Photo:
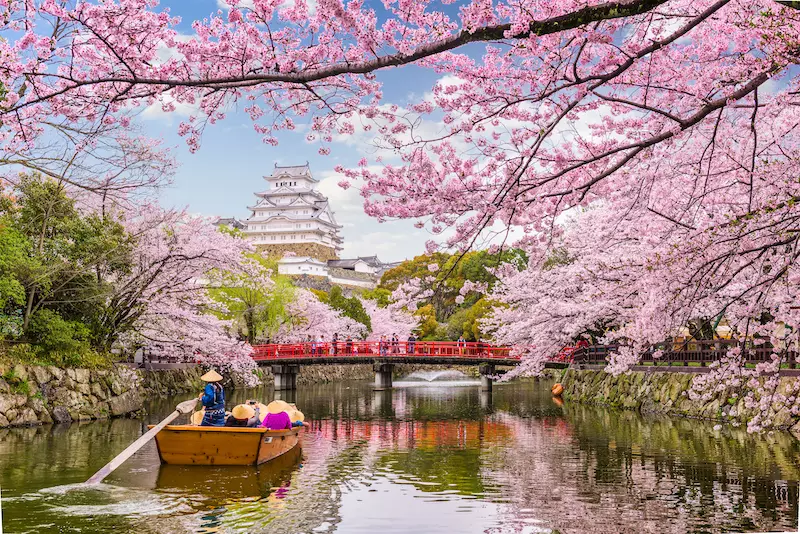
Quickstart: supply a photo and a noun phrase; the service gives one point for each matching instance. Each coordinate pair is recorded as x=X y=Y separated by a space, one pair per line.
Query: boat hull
x=210 y=445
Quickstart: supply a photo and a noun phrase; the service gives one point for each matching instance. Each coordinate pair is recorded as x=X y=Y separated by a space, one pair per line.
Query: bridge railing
x=406 y=349
x=698 y=352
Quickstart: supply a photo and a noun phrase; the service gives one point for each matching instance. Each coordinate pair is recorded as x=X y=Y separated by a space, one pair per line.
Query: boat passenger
x=277 y=417
x=213 y=399
x=243 y=415
x=297 y=417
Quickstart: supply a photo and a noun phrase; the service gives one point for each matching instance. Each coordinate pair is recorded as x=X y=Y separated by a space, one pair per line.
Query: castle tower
x=292 y=216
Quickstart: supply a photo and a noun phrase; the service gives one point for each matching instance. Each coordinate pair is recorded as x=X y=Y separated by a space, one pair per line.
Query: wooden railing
x=701 y=352
x=376 y=349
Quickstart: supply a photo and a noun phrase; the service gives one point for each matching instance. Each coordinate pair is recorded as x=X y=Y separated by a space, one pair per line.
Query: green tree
x=427 y=324
x=449 y=273
x=256 y=300
x=14 y=255
x=350 y=307
x=380 y=295
x=61 y=259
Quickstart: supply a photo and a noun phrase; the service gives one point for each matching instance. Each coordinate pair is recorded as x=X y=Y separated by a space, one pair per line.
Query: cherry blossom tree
x=675 y=120
x=389 y=320
x=308 y=316
x=162 y=305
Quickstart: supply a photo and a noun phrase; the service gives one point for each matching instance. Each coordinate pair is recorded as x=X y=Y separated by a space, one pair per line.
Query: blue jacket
x=214 y=403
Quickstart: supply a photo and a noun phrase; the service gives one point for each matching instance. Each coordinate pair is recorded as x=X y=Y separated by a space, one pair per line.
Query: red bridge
x=442 y=352
x=287 y=358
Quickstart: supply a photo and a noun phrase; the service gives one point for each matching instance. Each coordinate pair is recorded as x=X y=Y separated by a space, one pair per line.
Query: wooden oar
x=182 y=408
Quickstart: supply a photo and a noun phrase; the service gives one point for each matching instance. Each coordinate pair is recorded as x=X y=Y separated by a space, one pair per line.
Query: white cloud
x=363 y=235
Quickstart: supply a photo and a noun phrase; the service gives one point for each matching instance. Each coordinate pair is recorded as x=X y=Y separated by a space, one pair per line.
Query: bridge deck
x=343 y=352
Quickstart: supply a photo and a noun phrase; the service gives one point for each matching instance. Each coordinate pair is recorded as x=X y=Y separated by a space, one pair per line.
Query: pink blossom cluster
x=308 y=316
x=389 y=321
x=165 y=294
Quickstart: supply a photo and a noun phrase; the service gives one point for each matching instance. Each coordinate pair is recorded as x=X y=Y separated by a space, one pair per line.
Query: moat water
x=427 y=457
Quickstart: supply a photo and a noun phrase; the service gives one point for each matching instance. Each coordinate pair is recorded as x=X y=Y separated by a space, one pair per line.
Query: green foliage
x=427 y=324
x=54 y=263
x=350 y=307
x=457 y=324
x=380 y=295
x=53 y=333
x=256 y=301
x=18 y=385
x=449 y=276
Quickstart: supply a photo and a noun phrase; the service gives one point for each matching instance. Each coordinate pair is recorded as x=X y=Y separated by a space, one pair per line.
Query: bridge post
x=486 y=370
x=285 y=376
x=383 y=375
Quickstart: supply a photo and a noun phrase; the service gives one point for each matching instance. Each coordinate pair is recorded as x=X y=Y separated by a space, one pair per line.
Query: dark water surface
x=417 y=459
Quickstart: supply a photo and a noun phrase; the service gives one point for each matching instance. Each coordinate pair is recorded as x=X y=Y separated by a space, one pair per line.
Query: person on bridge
x=412 y=344
x=213 y=399
x=348 y=345
x=395 y=344
x=335 y=342
x=461 y=344
x=383 y=346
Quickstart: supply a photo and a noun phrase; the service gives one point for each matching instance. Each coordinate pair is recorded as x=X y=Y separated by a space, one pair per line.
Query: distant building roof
x=229 y=221
x=372 y=261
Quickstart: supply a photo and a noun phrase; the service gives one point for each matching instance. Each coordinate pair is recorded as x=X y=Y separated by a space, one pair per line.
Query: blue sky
x=220 y=178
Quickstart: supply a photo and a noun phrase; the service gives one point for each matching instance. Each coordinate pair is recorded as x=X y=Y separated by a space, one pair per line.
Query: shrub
x=52 y=333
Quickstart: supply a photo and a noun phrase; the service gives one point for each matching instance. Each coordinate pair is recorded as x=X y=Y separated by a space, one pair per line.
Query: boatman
x=213 y=399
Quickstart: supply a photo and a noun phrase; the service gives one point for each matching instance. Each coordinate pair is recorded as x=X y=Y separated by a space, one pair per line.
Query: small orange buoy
x=557 y=390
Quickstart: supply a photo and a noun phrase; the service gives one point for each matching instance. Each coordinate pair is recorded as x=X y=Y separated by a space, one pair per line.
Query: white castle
x=292 y=211
x=293 y=221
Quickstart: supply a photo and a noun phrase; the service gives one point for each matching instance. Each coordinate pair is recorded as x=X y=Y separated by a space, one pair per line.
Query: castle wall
x=313 y=250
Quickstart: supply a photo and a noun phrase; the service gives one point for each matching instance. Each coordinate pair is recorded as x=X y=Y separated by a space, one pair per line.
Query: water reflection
x=426 y=459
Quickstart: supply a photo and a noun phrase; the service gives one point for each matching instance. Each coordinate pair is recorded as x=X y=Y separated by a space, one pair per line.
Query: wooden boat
x=219 y=445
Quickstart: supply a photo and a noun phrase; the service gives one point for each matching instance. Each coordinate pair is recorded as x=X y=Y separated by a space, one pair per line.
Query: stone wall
x=32 y=395
x=161 y=383
x=313 y=250
x=666 y=393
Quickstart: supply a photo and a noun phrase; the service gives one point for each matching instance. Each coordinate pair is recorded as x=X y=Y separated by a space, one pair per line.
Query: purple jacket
x=277 y=421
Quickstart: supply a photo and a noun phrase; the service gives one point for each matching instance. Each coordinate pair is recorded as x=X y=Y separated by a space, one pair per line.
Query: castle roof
x=292 y=170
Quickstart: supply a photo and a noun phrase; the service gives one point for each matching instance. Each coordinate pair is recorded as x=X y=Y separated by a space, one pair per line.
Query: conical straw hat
x=262 y=410
x=243 y=411
x=297 y=415
x=211 y=376
x=278 y=406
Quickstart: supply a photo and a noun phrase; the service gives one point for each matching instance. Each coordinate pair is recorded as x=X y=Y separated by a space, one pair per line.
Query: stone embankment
x=667 y=393
x=31 y=395
x=35 y=394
